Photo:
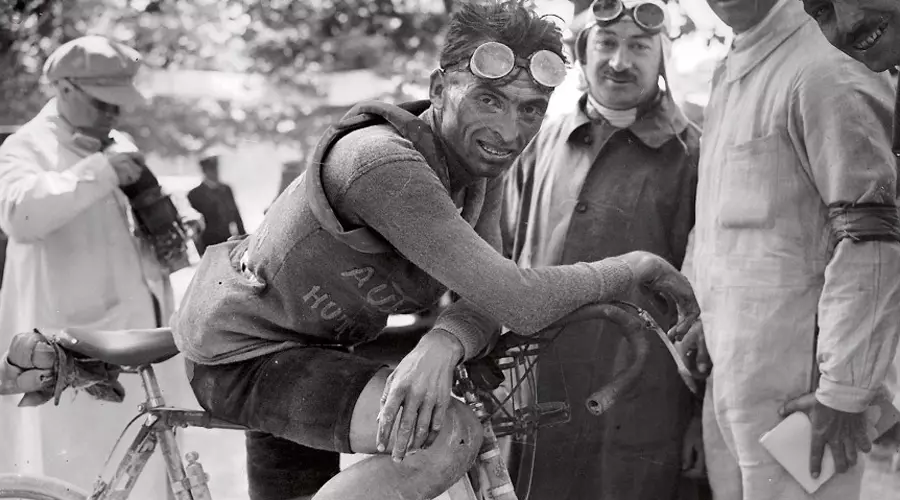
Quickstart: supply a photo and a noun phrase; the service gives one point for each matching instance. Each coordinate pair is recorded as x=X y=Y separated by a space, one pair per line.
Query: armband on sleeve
x=863 y=222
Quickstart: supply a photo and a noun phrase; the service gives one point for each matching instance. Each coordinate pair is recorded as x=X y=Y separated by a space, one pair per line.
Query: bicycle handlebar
x=633 y=329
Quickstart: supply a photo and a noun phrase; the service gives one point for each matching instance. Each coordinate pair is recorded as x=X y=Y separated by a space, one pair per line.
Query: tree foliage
x=292 y=43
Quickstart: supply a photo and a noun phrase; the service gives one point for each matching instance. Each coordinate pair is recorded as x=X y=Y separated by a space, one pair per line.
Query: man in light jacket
x=73 y=260
x=797 y=256
x=868 y=31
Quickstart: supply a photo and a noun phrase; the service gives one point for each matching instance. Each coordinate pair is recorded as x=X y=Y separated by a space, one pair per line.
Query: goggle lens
x=649 y=16
x=607 y=10
x=493 y=60
x=547 y=68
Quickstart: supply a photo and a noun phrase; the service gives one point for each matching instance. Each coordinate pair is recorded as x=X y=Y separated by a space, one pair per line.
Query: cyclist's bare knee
x=460 y=437
x=458 y=440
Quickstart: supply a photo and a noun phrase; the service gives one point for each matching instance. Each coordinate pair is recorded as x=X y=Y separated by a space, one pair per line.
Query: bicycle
x=136 y=351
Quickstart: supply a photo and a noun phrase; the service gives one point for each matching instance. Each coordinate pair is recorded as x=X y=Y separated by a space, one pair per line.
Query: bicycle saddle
x=121 y=347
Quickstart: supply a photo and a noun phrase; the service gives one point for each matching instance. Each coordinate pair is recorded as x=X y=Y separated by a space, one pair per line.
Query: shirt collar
x=50 y=112
x=755 y=45
x=654 y=128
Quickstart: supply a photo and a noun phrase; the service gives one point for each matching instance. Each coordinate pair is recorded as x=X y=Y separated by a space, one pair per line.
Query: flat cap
x=103 y=68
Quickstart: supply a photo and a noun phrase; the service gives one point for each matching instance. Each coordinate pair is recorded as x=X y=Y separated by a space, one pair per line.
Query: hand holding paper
x=799 y=442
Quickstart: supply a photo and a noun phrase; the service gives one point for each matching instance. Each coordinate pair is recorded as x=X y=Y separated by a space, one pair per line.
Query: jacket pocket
x=749 y=183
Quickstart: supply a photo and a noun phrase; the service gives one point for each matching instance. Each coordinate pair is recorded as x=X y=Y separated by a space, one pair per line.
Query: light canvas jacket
x=71 y=261
x=792 y=125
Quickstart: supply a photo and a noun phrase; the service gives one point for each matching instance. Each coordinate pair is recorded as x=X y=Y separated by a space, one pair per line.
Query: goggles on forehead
x=494 y=60
x=649 y=16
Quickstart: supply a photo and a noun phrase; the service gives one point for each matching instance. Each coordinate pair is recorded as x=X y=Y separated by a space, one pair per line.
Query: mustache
x=619 y=75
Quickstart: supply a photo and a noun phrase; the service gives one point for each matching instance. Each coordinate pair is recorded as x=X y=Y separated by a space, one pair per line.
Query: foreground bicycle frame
x=514 y=355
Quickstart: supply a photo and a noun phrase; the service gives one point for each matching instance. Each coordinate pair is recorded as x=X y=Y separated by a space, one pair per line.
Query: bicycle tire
x=28 y=487
x=522 y=453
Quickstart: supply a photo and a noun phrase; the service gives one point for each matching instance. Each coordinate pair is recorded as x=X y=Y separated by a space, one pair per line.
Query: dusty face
x=621 y=64
x=866 y=30
x=487 y=123
x=85 y=112
x=741 y=15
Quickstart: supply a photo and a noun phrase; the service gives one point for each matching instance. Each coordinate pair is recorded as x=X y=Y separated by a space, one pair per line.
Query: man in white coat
x=73 y=259
x=868 y=31
x=796 y=258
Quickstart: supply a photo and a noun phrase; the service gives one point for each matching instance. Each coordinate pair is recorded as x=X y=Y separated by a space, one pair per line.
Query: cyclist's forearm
x=407 y=205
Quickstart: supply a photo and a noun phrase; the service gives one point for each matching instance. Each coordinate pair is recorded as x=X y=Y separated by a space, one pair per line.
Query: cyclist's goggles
x=494 y=60
x=649 y=16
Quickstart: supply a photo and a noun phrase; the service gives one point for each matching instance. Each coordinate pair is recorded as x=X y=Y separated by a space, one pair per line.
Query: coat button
x=581 y=207
x=588 y=139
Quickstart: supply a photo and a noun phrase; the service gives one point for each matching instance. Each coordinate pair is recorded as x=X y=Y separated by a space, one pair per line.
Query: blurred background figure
x=75 y=257
x=215 y=201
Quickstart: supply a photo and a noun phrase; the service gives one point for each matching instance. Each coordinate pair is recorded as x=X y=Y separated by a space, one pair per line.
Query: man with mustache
x=398 y=205
x=797 y=254
x=615 y=173
x=868 y=31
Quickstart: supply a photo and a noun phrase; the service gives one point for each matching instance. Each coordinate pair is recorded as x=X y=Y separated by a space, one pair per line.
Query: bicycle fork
x=188 y=482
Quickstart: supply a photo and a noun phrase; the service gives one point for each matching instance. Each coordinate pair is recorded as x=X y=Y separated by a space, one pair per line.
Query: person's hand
x=654 y=275
x=29 y=367
x=844 y=433
x=693 y=350
x=127 y=162
x=417 y=394
x=693 y=458
x=194 y=223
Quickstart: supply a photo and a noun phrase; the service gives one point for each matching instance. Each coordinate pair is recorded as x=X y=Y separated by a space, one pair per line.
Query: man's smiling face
x=487 y=123
x=866 y=30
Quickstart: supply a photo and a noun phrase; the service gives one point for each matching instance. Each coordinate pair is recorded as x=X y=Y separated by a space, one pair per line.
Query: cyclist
x=397 y=205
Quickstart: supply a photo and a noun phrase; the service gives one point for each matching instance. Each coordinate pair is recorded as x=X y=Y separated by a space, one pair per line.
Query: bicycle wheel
x=518 y=414
x=27 y=487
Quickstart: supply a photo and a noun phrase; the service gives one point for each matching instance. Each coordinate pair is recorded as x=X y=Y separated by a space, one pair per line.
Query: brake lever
x=653 y=326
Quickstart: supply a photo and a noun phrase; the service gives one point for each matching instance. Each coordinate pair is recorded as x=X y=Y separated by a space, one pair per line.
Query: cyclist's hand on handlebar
x=654 y=274
x=417 y=394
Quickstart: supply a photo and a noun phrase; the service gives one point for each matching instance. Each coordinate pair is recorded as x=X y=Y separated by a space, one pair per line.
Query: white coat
x=72 y=261
x=792 y=125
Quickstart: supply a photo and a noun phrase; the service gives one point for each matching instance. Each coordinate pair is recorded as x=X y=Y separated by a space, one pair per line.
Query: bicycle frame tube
x=159 y=429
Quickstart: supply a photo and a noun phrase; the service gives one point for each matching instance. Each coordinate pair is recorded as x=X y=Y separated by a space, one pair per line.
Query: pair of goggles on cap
x=494 y=60
x=648 y=16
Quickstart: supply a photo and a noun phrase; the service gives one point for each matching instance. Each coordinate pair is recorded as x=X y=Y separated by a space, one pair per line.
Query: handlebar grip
x=632 y=329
